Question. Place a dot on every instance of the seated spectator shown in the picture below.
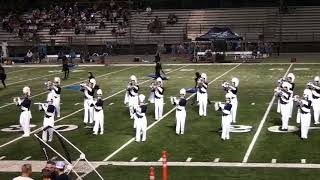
(155, 25)
(102, 25)
(77, 30)
(29, 56)
(114, 31)
(121, 31)
(26, 172)
(53, 30)
(114, 16)
(90, 29)
(172, 19)
(148, 10)
(60, 168)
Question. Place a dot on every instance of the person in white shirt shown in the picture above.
(26, 172)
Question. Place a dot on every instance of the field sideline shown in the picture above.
(200, 144)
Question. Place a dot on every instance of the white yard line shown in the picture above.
(75, 112)
(164, 116)
(21, 70)
(256, 135)
(72, 84)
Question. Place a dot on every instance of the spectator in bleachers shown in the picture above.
(155, 25)
(114, 16)
(114, 31)
(172, 19)
(173, 49)
(148, 10)
(26, 172)
(29, 56)
(102, 25)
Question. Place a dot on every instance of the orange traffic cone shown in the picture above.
(151, 173)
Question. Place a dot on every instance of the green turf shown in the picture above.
(201, 140)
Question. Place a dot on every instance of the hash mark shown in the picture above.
(26, 158)
(303, 161)
(274, 161)
(216, 160)
(134, 159)
(189, 159)
(2, 157)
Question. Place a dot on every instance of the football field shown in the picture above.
(255, 151)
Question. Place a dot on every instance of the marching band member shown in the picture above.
(180, 111)
(304, 106)
(48, 119)
(56, 91)
(232, 90)
(140, 121)
(284, 95)
(88, 91)
(98, 114)
(290, 79)
(315, 86)
(25, 114)
(92, 80)
(132, 90)
(226, 109)
(203, 95)
(158, 90)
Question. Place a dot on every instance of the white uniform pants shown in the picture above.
(88, 111)
(141, 129)
(298, 116)
(278, 106)
(316, 109)
(56, 103)
(181, 120)
(98, 121)
(203, 101)
(158, 108)
(25, 122)
(225, 123)
(133, 101)
(47, 133)
(305, 124)
(291, 106)
(285, 115)
(234, 103)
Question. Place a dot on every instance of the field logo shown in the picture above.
(60, 128)
(291, 129)
(240, 128)
(277, 129)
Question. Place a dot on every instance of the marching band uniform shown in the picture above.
(226, 117)
(305, 116)
(180, 111)
(232, 91)
(203, 95)
(316, 99)
(56, 91)
(284, 95)
(158, 99)
(88, 98)
(141, 119)
(132, 91)
(48, 119)
(98, 114)
(25, 114)
(290, 79)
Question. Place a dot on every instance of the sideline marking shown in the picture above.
(8, 104)
(164, 116)
(256, 135)
(79, 110)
